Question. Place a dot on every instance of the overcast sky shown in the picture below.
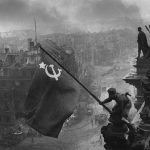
(73, 15)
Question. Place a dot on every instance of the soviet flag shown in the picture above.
(50, 102)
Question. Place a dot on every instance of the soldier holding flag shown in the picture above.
(122, 107)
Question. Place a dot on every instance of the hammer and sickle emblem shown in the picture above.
(54, 75)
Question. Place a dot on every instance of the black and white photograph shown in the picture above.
(74, 75)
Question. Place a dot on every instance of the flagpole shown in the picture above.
(97, 99)
(35, 31)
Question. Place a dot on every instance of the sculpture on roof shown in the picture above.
(142, 43)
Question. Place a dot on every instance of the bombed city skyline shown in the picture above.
(55, 16)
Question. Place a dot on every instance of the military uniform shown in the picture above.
(122, 107)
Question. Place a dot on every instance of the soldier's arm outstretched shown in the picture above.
(107, 100)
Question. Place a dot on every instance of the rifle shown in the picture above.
(147, 28)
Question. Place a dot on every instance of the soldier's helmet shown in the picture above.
(139, 28)
(111, 91)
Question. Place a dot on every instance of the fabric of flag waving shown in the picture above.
(49, 102)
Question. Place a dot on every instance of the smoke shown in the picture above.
(143, 6)
(68, 15)
(18, 14)
(109, 14)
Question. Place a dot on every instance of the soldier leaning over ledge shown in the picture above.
(122, 107)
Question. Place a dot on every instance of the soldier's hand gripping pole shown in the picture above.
(97, 99)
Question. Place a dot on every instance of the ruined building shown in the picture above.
(16, 72)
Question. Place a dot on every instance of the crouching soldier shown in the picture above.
(119, 133)
(122, 107)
